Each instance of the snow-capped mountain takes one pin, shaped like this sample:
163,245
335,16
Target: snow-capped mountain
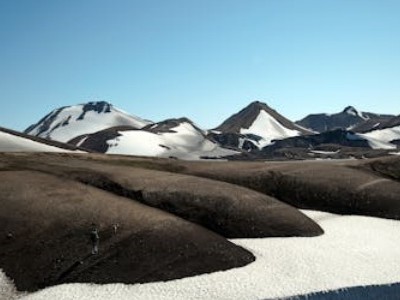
66,123
100,127
12,141
379,131
179,138
256,126
349,119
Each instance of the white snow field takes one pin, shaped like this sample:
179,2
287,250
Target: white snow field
373,140
186,142
268,128
381,138
7,288
66,124
325,152
354,251
14,143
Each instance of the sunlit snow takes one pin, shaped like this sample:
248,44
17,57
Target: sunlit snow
67,124
185,142
325,152
374,143
268,129
381,138
14,143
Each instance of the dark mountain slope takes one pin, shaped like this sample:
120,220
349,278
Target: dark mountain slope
346,119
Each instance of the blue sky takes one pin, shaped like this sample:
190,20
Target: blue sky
204,59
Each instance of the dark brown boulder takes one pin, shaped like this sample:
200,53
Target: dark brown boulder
386,167
227,209
45,223
345,187
230,210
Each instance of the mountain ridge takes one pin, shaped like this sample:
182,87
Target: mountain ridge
101,127
347,119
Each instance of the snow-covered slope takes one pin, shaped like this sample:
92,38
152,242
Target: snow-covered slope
185,142
382,138
11,141
178,138
354,251
269,129
66,123
259,124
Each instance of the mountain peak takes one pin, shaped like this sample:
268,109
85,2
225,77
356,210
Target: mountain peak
245,118
97,106
66,123
169,124
350,110
258,105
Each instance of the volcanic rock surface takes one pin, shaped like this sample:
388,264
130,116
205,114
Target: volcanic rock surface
362,187
46,222
169,225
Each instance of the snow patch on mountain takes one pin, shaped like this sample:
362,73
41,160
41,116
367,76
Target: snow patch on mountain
350,110
14,143
69,122
373,142
382,138
183,141
269,129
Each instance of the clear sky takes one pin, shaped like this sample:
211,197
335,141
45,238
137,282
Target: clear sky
204,59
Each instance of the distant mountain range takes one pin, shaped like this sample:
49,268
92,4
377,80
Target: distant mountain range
264,133
255,132
348,119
